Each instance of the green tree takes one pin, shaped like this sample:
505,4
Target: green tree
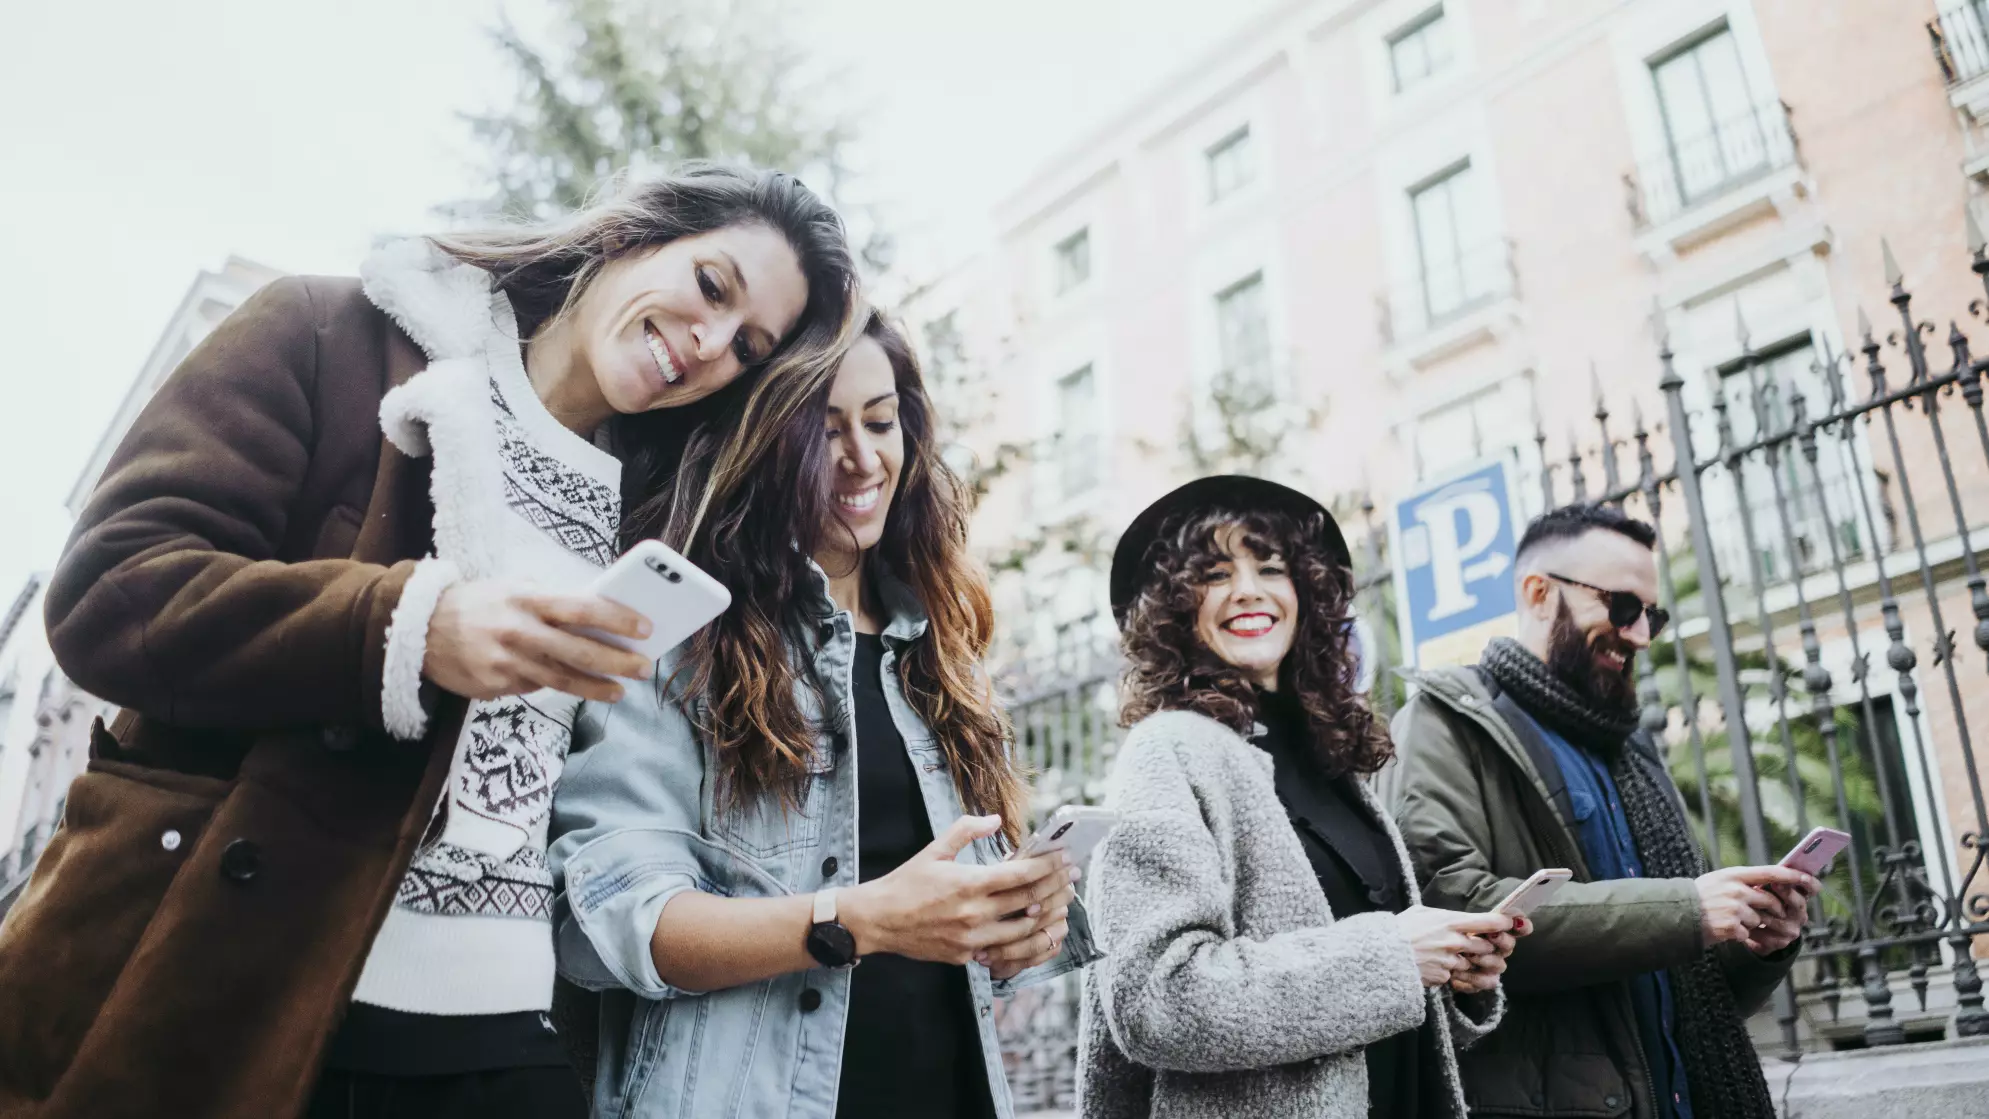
648,84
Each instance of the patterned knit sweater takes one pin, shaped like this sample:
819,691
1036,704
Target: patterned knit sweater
516,496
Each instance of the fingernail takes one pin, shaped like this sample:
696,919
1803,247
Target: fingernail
642,627
1075,874
1068,861
617,697
1034,909
981,958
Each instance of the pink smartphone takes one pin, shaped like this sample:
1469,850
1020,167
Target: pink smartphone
1534,891
1815,853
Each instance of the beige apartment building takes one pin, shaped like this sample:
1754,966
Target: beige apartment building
1412,235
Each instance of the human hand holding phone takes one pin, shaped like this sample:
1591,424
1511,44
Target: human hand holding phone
1074,832
1812,855
936,908
490,637
1449,946
1527,896
1760,906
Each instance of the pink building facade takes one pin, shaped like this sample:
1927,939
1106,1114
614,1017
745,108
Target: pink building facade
1422,235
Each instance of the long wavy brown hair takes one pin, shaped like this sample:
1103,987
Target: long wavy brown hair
545,268
1170,669
758,531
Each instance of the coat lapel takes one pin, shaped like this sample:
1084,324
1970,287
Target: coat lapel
445,411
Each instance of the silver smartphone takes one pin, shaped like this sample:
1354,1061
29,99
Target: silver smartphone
675,595
1076,829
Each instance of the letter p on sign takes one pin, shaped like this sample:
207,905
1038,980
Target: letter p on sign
1453,547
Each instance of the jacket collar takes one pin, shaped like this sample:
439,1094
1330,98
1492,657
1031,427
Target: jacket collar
1465,693
450,410
1214,734
1460,689
905,616
449,308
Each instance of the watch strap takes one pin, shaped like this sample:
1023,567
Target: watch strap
825,906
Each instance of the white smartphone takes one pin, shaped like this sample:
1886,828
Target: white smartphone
1531,893
1076,829
675,595
1817,850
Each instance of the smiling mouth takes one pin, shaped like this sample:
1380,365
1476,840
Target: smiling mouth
1611,659
665,368
1250,625
861,501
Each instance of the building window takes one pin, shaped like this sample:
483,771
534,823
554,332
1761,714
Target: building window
1447,241
1243,333
1716,134
1230,164
1077,432
1484,424
1419,51
1760,404
1073,260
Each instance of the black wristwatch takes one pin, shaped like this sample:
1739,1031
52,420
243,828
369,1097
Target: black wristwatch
829,942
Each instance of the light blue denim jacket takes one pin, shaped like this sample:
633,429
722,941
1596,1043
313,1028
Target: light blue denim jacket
634,824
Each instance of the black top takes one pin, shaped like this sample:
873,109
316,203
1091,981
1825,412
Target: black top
912,1045
1360,872
398,1043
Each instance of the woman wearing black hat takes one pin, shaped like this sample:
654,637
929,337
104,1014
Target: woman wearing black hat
1266,953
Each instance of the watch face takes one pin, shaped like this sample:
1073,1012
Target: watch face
831,945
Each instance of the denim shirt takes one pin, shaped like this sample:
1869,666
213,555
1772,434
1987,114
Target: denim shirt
1603,832
635,823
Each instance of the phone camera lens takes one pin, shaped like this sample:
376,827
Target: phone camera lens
1059,833
654,564
673,576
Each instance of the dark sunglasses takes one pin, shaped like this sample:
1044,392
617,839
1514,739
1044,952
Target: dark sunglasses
1624,607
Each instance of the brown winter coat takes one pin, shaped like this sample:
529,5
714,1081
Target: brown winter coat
193,933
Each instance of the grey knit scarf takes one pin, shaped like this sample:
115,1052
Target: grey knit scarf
1720,1063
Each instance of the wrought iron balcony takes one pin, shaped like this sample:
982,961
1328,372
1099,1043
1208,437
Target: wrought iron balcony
1960,38
1693,170
1443,293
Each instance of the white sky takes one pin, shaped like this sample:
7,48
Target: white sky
142,141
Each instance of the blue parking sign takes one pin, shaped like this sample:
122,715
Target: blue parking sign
1453,543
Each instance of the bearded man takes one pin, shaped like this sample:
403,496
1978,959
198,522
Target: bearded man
1630,997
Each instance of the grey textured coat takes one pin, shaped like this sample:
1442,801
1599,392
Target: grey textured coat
1227,988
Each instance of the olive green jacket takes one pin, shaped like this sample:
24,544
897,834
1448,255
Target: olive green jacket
1478,818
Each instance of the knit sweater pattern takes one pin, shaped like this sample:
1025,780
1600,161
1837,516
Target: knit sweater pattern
519,497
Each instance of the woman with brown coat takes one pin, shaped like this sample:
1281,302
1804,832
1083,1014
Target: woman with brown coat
329,578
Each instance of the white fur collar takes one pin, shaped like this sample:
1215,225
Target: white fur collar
448,307
451,310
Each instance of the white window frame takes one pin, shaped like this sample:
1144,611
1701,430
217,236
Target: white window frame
1417,159
1071,454
1238,148
1418,29
1648,34
1061,253
1226,360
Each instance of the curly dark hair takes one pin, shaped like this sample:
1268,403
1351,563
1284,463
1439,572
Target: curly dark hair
1170,669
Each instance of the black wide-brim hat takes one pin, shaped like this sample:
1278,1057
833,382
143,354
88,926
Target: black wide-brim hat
1238,493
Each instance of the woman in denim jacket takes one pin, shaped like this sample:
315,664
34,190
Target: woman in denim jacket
716,884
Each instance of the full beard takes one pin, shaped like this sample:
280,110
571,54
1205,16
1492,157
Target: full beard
1576,659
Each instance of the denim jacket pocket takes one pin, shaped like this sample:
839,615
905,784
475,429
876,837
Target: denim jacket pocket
765,831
